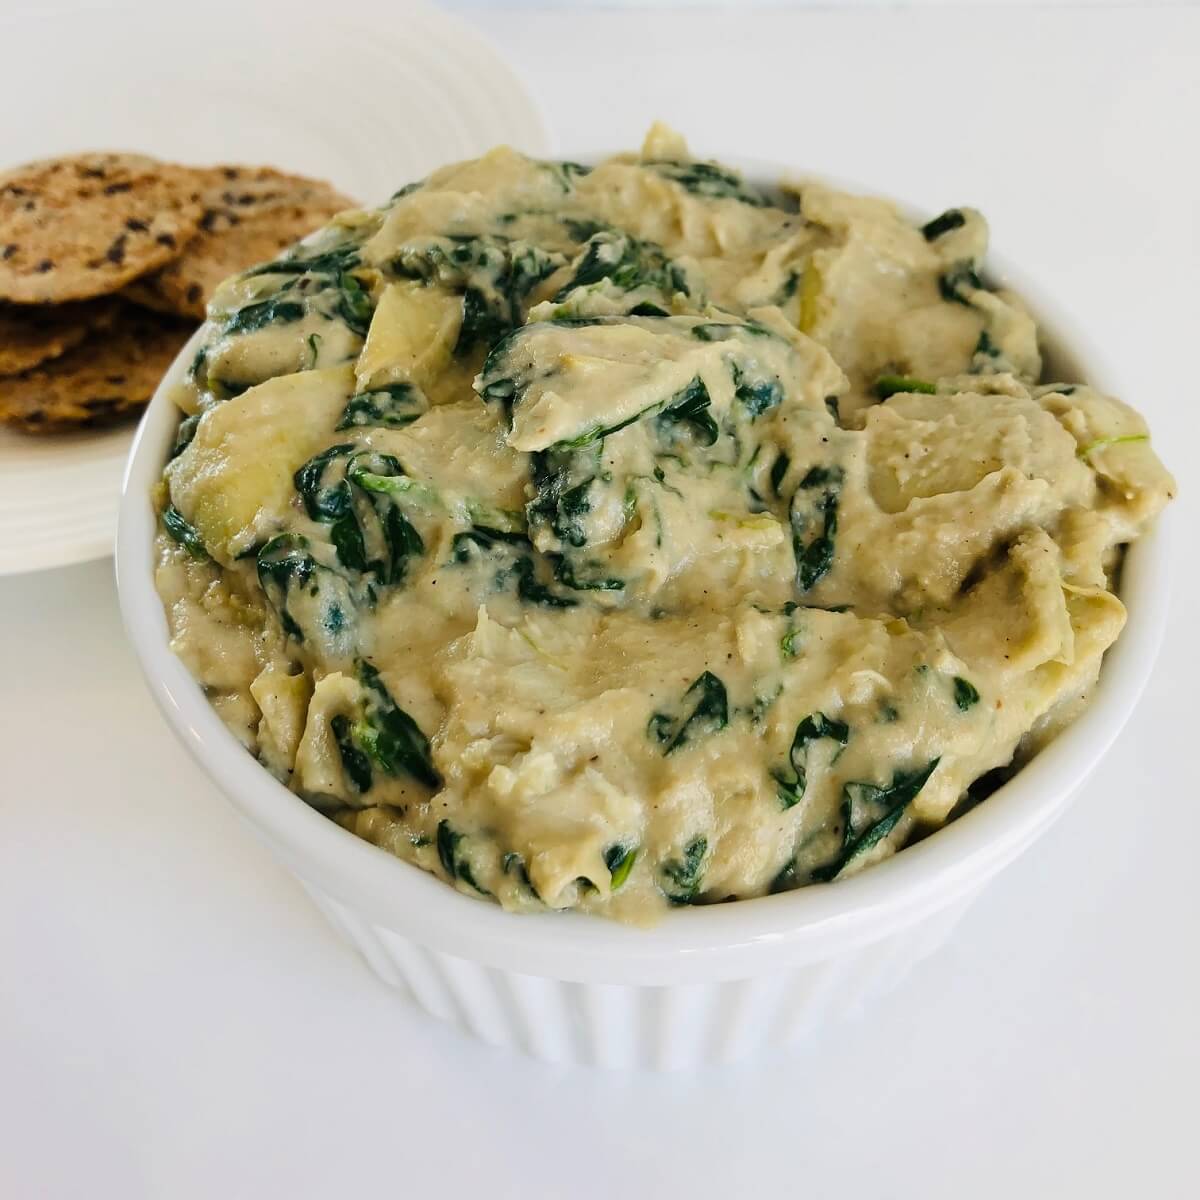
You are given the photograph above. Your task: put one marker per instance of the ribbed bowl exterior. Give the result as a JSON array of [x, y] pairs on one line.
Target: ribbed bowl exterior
[[624, 1027]]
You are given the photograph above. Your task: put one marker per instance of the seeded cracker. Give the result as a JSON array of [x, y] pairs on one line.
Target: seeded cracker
[[35, 333], [110, 375], [250, 214], [85, 225]]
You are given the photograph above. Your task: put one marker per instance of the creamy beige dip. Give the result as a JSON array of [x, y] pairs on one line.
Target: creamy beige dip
[[623, 537]]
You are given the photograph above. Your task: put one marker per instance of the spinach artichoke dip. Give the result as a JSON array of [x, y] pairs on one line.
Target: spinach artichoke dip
[[622, 537]]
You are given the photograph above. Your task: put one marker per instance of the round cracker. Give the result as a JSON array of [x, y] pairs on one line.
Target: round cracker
[[84, 225], [35, 333], [110, 375], [250, 214]]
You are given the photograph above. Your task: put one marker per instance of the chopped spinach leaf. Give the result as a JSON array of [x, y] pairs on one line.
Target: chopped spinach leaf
[[403, 542], [619, 860], [320, 502], [482, 323], [595, 433], [565, 573], [889, 385], [252, 317], [408, 189], [390, 736], [710, 714], [354, 305], [627, 263], [560, 499], [333, 505], [447, 844], [779, 469], [580, 230], [332, 262], [713, 331], [392, 407], [682, 876], [530, 589], [965, 693], [724, 331], [227, 389], [355, 763], [814, 557], [347, 537], [709, 180], [565, 173], [572, 507], [516, 548], [984, 786], [762, 704], [816, 477], [956, 282], [785, 878], [985, 346], [283, 563], [183, 532], [483, 537], [310, 597], [456, 865], [815, 726], [494, 275], [861, 835], [383, 475], [952, 218], [690, 406], [757, 396], [512, 863], [503, 390], [184, 434]]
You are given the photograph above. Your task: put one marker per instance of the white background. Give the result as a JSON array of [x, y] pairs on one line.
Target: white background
[[177, 1021]]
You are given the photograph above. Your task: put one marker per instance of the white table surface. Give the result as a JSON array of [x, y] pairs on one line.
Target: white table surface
[[177, 1021]]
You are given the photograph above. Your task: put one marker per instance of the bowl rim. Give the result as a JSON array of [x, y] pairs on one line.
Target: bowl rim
[[694, 944]]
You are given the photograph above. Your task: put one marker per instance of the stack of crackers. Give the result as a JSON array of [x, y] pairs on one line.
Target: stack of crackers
[[106, 264]]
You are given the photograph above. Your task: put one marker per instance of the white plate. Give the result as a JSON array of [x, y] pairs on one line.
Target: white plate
[[370, 100]]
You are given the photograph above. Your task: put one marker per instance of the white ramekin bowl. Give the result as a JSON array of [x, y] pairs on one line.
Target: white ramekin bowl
[[706, 984]]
